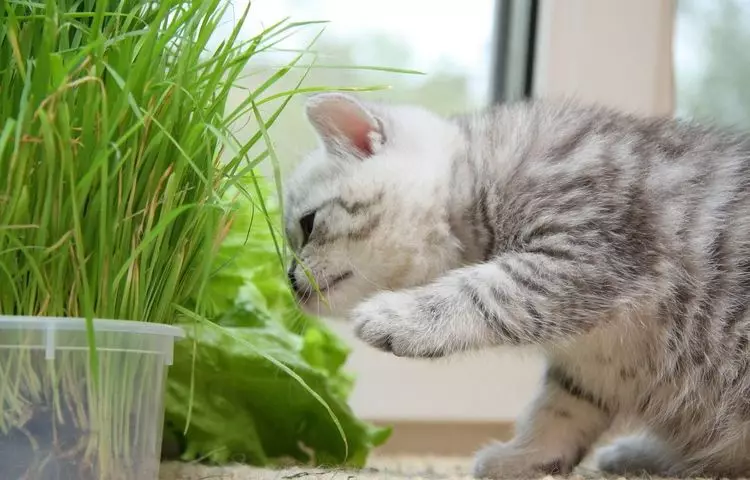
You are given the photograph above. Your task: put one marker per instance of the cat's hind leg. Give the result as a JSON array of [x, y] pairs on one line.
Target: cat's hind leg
[[636, 455], [552, 437]]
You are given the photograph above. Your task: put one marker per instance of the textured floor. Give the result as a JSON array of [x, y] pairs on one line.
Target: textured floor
[[417, 468], [380, 468]]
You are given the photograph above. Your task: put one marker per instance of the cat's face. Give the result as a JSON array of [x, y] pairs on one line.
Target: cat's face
[[365, 211]]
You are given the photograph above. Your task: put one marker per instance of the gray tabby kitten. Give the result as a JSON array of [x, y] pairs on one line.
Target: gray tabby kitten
[[618, 246]]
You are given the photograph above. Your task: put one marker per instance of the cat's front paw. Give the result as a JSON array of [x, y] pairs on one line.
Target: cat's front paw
[[506, 460], [396, 322]]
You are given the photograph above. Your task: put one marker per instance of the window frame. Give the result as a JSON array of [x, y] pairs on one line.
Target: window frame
[[514, 50]]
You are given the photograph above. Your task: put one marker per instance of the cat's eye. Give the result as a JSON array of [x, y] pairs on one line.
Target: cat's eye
[[307, 223]]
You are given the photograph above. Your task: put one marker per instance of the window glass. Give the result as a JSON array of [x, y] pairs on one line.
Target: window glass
[[452, 46], [712, 61]]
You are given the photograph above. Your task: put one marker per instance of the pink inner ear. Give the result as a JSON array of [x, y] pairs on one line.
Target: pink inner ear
[[340, 119], [354, 124], [359, 136]]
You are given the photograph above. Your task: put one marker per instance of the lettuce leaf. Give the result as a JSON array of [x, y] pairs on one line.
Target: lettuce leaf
[[244, 409]]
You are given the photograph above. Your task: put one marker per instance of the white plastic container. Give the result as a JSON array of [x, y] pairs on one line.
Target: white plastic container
[[56, 425]]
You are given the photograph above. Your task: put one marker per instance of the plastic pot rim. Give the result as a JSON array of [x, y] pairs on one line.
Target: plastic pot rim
[[13, 322]]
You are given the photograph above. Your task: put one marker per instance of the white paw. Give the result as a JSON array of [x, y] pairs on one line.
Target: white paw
[[396, 322], [505, 460]]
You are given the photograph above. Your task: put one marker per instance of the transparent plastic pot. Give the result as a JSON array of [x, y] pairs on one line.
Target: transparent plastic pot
[[56, 423]]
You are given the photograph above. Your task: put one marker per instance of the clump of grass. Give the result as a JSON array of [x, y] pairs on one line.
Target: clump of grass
[[110, 171], [116, 152]]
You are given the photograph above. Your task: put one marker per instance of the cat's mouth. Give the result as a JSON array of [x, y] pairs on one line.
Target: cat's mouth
[[326, 285]]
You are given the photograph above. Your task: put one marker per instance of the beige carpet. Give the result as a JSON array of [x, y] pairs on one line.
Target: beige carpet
[[391, 468], [380, 468]]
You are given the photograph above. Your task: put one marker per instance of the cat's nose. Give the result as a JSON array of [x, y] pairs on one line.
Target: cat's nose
[[293, 281]]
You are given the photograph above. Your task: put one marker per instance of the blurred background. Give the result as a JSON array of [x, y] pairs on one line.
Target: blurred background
[[675, 57]]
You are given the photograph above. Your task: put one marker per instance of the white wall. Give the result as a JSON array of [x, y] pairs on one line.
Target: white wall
[[491, 386]]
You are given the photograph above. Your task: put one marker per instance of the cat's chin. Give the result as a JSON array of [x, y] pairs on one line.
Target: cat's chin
[[336, 300], [333, 307]]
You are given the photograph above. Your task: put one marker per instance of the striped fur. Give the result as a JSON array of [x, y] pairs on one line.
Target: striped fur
[[618, 246]]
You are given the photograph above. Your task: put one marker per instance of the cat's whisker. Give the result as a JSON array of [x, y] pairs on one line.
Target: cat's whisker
[[360, 274], [325, 292]]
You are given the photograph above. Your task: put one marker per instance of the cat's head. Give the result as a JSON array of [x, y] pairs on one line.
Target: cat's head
[[367, 210]]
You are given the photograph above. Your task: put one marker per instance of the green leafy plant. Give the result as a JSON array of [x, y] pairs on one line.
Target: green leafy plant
[[243, 409]]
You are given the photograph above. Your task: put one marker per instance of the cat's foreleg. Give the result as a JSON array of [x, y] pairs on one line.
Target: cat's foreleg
[[519, 298]]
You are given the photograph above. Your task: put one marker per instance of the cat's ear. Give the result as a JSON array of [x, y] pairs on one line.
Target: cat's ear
[[344, 124]]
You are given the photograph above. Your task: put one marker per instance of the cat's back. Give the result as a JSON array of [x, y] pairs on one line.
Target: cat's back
[[594, 163], [562, 131]]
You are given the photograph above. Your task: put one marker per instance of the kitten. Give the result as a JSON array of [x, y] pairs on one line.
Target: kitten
[[618, 246]]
